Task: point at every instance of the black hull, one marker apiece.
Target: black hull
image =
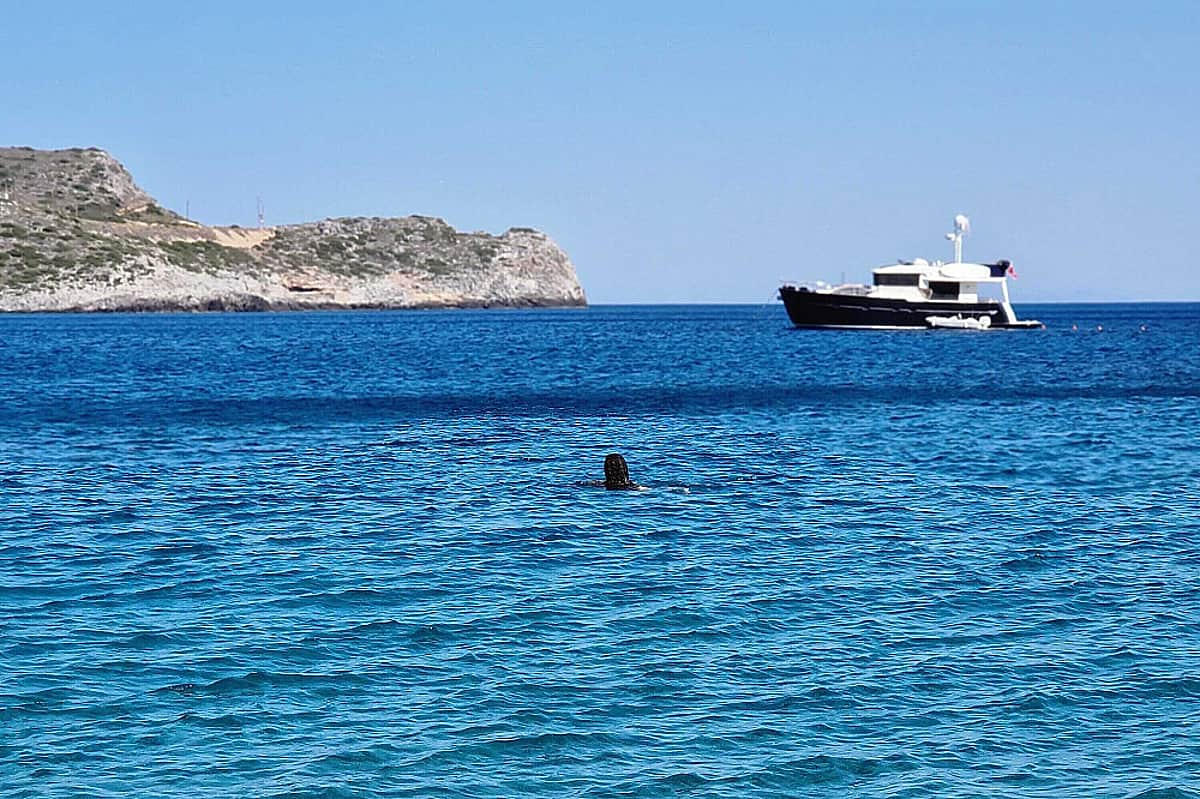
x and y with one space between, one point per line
812 309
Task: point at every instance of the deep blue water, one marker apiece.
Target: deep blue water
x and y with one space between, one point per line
327 555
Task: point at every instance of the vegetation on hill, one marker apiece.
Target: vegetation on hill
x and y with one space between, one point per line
73 223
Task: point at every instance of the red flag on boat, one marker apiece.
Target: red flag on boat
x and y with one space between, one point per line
1011 272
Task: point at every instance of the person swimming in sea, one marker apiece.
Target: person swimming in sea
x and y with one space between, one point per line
616 478
616 474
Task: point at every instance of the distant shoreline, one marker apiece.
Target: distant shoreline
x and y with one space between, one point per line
531 306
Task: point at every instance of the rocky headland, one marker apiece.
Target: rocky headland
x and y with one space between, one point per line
78 234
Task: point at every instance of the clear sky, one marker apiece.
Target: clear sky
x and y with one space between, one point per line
679 151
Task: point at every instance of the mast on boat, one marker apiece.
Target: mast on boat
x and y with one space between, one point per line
962 226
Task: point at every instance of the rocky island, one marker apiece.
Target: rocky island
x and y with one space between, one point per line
78 234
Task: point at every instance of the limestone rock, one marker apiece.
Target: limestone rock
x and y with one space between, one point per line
78 234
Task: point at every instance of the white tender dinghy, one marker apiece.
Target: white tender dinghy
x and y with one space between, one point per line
959 322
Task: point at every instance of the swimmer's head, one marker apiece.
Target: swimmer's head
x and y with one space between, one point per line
616 473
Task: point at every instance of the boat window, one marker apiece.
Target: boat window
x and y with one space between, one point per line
943 290
898 280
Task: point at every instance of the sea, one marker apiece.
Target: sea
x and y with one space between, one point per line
365 555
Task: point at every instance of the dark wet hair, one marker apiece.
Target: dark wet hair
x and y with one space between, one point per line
616 473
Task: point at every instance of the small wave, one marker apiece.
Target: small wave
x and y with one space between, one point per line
351 759
438 633
819 698
367 631
473 442
44 700
1170 687
370 627
256 682
121 516
351 596
830 770
546 741
403 443
148 639
184 688
681 781
324 792
191 550
1030 562
1171 792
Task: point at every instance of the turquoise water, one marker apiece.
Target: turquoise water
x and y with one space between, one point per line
357 555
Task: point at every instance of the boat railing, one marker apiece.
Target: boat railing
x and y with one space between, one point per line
821 287
852 289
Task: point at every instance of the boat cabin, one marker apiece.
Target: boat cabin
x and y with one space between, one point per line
919 280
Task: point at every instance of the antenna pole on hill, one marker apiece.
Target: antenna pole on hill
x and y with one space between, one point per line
261 216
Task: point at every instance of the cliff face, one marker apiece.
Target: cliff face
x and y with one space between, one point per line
77 234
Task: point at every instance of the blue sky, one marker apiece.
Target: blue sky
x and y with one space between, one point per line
679 152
